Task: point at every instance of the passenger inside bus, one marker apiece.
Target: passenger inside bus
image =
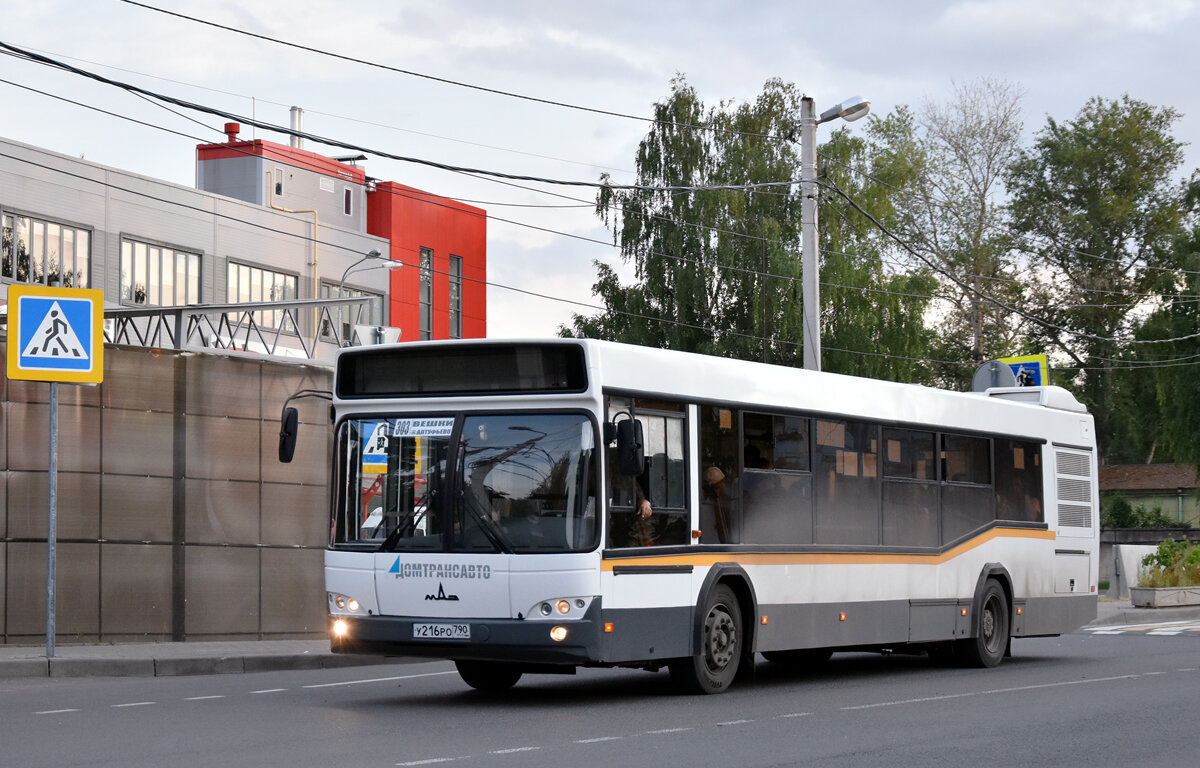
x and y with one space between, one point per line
714 509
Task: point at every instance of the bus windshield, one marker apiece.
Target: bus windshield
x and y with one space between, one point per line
516 482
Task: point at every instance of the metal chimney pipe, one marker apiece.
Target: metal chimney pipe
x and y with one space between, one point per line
297 127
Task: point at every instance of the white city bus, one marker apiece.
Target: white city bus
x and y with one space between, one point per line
537 506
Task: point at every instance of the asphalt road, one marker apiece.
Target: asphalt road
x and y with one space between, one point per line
1081 700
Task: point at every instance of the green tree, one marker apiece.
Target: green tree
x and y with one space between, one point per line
1096 200
712 268
718 271
873 298
1162 418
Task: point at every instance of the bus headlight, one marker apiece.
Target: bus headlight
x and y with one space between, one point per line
560 607
558 634
343 604
339 628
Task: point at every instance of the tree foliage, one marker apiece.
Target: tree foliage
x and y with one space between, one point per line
1088 232
1096 201
718 271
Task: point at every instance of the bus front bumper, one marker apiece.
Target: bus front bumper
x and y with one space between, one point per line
520 640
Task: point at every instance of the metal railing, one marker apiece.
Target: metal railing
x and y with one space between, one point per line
272 328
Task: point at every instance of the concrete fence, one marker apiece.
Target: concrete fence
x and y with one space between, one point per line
175 519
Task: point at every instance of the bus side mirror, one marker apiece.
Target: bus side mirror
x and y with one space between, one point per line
289 425
631 453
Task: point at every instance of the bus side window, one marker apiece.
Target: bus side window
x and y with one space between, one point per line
720 484
662 484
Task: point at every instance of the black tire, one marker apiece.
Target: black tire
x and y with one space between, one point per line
986 648
488 676
715 664
805 658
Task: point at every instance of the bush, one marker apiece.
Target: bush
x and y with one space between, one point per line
1173 564
1117 512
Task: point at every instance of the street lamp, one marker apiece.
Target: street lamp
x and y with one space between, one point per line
373 254
849 110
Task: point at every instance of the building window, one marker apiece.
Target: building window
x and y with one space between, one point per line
426 294
348 201
158 275
279 182
252 284
44 252
350 315
455 297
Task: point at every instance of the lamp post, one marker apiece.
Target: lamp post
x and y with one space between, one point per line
849 110
373 254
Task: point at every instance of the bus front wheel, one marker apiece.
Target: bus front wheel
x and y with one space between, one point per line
986 648
715 664
488 676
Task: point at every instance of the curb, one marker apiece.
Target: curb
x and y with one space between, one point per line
178 667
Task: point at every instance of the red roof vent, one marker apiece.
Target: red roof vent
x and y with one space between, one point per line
231 130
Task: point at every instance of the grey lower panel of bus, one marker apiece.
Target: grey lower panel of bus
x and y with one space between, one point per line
651 636
882 623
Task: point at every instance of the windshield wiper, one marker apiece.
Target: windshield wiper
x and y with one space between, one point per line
491 529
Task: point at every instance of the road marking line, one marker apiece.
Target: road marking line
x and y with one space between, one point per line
430 761
668 730
734 722
513 750
1188 669
1151 625
202 698
134 704
270 690
599 739
55 711
382 680
793 714
949 696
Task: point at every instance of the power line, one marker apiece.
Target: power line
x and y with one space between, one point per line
333 115
444 80
944 204
381 153
990 299
764 274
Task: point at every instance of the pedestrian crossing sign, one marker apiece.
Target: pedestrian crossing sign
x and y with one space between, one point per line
55 334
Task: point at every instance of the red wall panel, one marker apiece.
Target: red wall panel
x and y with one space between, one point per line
412 219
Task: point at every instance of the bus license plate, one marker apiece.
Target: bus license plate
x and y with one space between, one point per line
441 631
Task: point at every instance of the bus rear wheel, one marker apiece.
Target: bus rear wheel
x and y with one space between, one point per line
986 648
715 664
488 676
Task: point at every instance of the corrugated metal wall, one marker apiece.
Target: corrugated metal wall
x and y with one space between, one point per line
175 518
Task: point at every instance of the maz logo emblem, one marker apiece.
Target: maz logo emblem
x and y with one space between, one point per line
441 594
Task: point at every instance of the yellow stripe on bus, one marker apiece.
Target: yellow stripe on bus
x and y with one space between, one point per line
828 558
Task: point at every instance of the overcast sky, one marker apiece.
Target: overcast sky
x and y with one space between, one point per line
617 56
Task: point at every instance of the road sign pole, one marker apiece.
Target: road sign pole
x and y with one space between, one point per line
52 525
54 335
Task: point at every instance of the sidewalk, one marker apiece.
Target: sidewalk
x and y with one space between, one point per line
229 657
166 659
1116 612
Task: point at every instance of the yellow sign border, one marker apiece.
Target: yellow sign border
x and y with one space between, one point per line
14 369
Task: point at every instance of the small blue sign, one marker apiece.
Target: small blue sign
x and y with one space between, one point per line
55 334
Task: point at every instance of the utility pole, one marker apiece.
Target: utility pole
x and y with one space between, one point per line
849 110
